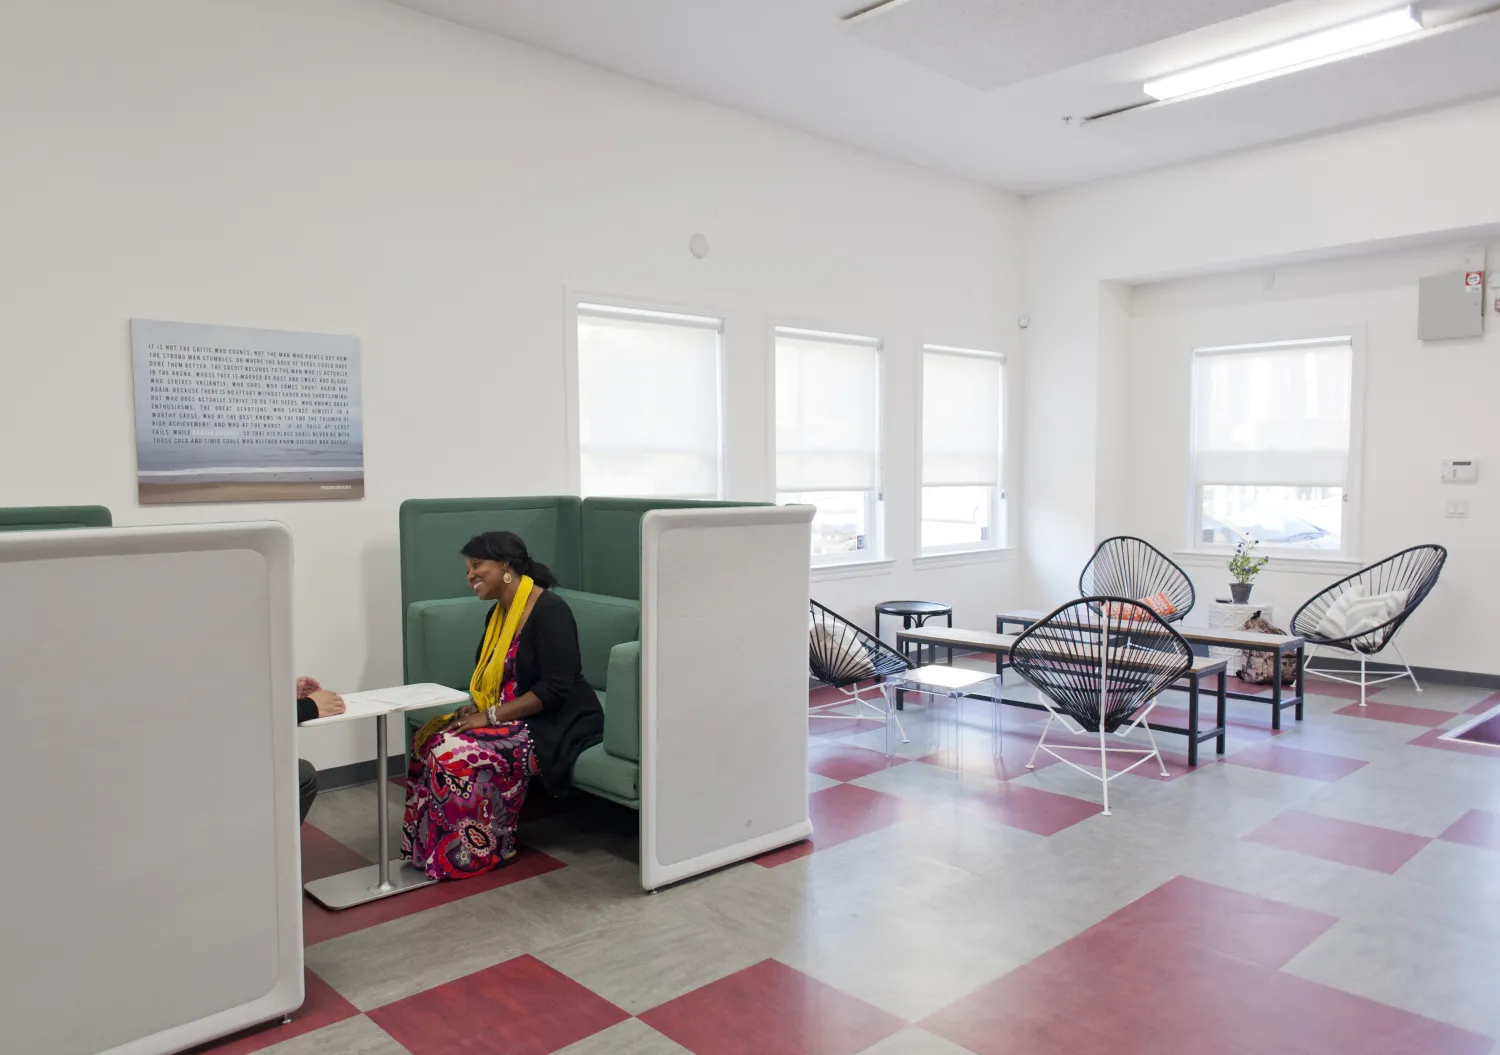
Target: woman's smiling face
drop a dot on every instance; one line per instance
(486, 577)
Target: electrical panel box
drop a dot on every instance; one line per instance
(1451, 305)
(1460, 472)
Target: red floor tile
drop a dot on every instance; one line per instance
(1337, 689)
(838, 761)
(323, 855)
(1244, 721)
(321, 924)
(1434, 738)
(1395, 712)
(1030, 809)
(771, 1009)
(520, 1007)
(322, 1007)
(1475, 828)
(841, 813)
(1189, 967)
(1487, 704)
(1362, 845)
(1294, 761)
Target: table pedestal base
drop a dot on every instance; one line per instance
(348, 889)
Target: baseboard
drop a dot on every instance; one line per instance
(357, 773)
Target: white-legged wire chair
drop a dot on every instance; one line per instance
(1126, 566)
(1361, 614)
(1099, 664)
(853, 661)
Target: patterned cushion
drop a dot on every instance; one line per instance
(1159, 603)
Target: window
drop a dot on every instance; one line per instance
(648, 403)
(1271, 440)
(963, 450)
(828, 438)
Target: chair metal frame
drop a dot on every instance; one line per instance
(883, 659)
(1415, 569)
(1082, 658)
(1130, 567)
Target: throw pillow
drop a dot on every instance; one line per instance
(1367, 613)
(1159, 603)
(1334, 624)
(842, 650)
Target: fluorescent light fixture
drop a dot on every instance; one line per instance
(1326, 45)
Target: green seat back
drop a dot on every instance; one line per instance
(603, 623)
(612, 541)
(47, 518)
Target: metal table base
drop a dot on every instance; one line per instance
(384, 878)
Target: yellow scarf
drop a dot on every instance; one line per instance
(488, 681)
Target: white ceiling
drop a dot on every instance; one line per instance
(993, 89)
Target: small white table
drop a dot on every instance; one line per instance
(385, 877)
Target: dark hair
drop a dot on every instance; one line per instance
(507, 548)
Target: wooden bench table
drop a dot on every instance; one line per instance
(999, 645)
(1278, 645)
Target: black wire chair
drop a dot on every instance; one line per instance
(1413, 570)
(1129, 567)
(853, 661)
(1099, 663)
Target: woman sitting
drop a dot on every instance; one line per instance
(532, 714)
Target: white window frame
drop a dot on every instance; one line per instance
(1350, 535)
(1000, 530)
(873, 554)
(579, 302)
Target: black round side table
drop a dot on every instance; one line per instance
(916, 613)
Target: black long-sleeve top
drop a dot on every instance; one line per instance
(307, 710)
(548, 664)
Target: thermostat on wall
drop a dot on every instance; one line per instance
(1460, 472)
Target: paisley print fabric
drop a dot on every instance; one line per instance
(464, 793)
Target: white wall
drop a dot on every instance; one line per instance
(352, 167)
(1421, 179)
(1422, 403)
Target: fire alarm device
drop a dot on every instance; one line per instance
(1460, 472)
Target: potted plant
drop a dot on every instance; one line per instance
(1244, 568)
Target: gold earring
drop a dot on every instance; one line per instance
(508, 578)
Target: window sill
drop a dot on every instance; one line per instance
(854, 569)
(1279, 562)
(960, 558)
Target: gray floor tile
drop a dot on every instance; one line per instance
(1444, 974)
(631, 1037)
(404, 956)
(349, 816)
(353, 1036)
(915, 1042)
(684, 949)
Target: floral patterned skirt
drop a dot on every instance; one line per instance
(463, 797)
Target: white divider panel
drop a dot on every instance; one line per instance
(723, 686)
(151, 898)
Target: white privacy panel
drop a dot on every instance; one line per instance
(146, 692)
(724, 602)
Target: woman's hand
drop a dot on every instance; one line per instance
(329, 703)
(474, 719)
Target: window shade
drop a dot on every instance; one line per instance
(1273, 414)
(648, 405)
(827, 414)
(961, 419)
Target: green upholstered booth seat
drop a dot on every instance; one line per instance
(593, 545)
(47, 518)
(434, 530)
(611, 534)
(442, 637)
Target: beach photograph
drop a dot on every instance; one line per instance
(233, 414)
